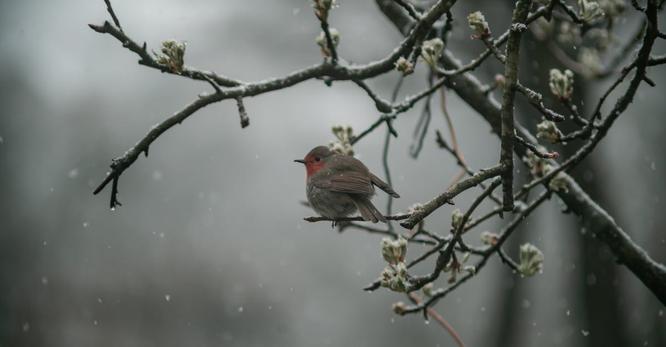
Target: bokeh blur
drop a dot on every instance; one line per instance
(209, 247)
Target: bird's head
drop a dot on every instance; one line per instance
(316, 159)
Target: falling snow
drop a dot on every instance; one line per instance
(73, 173)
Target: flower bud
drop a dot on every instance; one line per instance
(399, 308)
(531, 260)
(489, 238)
(548, 131)
(477, 22)
(343, 145)
(561, 84)
(427, 289)
(456, 218)
(559, 183)
(394, 251)
(538, 166)
(395, 278)
(431, 50)
(172, 55)
(405, 66)
(323, 43)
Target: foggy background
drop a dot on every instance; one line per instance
(209, 247)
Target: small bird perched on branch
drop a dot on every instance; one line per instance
(337, 185)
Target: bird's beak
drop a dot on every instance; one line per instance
(300, 161)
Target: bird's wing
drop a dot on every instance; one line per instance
(383, 185)
(352, 182)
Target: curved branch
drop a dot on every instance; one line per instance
(470, 90)
(237, 89)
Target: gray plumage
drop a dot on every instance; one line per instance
(338, 185)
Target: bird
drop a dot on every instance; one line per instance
(338, 185)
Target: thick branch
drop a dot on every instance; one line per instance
(511, 76)
(626, 250)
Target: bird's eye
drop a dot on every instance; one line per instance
(317, 159)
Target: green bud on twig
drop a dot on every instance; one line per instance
(427, 289)
(561, 83)
(489, 238)
(323, 44)
(477, 22)
(548, 131)
(395, 278)
(559, 183)
(343, 145)
(531, 260)
(405, 66)
(539, 167)
(456, 218)
(399, 308)
(172, 55)
(394, 251)
(431, 50)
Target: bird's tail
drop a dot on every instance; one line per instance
(368, 210)
(383, 186)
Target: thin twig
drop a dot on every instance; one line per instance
(534, 149)
(109, 9)
(506, 232)
(440, 320)
(449, 194)
(413, 12)
(385, 152)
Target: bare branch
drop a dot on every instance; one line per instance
(244, 119)
(534, 149)
(411, 10)
(353, 219)
(604, 227)
(109, 9)
(452, 192)
(511, 75)
(437, 317)
(536, 100)
(236, 89)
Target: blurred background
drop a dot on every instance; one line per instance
(209, 247)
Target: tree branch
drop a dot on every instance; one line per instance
(470, 90)
(452, 192)
(237, 89)
(511, 76)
